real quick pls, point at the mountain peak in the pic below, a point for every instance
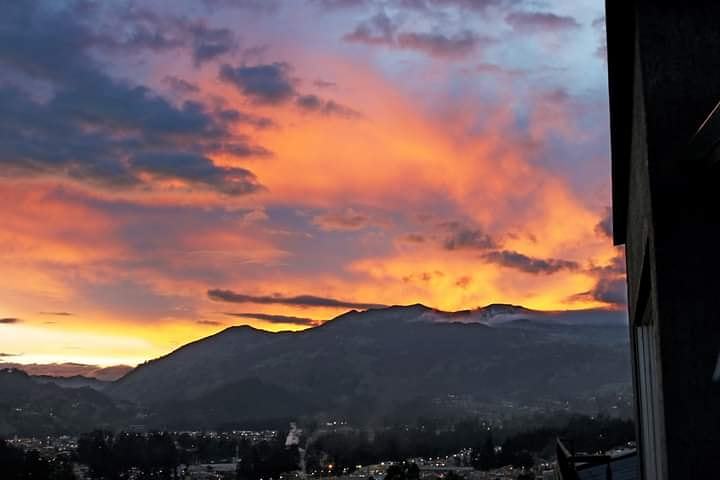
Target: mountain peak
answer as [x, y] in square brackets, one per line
[242, 329]
[413, 306]
[504, 308]
[394, 314]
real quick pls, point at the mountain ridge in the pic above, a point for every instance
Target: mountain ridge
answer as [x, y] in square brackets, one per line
[365, 363]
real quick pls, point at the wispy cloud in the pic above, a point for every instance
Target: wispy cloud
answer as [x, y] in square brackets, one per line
[381, 30]
[541, 22]
[297, 300]
[211, 323]
[285, 319]
[348, 219]
[443, 46]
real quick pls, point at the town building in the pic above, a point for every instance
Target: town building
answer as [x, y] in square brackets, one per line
[620, 464]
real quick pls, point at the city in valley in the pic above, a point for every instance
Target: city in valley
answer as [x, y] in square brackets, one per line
[469, 449]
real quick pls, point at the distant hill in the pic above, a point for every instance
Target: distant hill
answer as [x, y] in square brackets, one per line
[389, 361]
[77, 381]
[62, 370]
[31, 407]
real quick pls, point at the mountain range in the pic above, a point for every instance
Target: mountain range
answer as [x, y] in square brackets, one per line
[383, 363]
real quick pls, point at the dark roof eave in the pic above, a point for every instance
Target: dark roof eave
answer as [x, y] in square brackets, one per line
[620, 28]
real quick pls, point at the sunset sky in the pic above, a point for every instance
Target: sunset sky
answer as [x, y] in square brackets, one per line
[168, 169]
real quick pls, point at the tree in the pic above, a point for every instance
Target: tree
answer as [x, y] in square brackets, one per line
[394, 472]
[403, 471]
[412, 472]
[162, 455]
[11, 461]
[95, 451]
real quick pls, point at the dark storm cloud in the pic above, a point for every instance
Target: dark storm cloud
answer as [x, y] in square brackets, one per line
[9, 321]
[298, 300]
[313, 103]
[610, 284]
[608, 290]
[277, 318]
[231, 115]
[115, 105]
[270, 83]
[144, 29]
[463, 238]
[612, 291]
[196, 169]
[30, 41]
[605, 227]
[616, 267]
[540, 21]
[210, 43]
[51, 138]
[518, 261]
[239, 148]
[90, 124]
[180, 86]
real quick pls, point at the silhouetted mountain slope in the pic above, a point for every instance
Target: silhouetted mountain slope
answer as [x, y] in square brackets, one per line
[368, 363]
[232, 404]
